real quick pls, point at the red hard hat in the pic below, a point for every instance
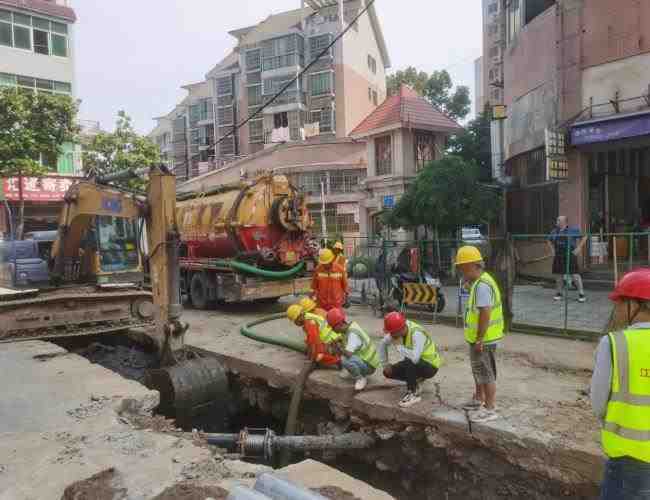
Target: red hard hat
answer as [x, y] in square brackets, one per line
[335, 317]
[394, 322]
[634, 285]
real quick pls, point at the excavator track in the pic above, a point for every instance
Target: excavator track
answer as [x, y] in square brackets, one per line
[74, 312]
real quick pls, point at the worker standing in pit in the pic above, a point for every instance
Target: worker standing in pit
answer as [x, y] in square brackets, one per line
[359, 357]
[421, 359]
[484, 328]
[620, 391]
[313, 325]
[330, 283]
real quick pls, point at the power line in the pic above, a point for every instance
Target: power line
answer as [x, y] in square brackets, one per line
[291, 82]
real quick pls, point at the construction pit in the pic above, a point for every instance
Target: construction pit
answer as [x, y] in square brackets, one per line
[545, 445]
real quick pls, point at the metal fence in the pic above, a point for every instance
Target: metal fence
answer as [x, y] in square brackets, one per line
[551, 284]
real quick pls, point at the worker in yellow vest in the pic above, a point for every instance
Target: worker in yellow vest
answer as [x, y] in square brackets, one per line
[484, 329]
[421, 359]
[620, 391]
[359, 357]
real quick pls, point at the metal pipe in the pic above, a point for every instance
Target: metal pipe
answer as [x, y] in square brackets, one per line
[123, 175]
[277, 487]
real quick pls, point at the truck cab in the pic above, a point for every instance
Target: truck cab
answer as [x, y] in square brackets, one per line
[24, 263]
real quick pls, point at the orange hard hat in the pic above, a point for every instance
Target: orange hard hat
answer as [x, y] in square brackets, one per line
[335, 317]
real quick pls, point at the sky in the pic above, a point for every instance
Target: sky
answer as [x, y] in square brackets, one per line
[135, 54]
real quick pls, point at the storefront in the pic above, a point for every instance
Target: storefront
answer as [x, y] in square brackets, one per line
[43, 199]
[617, 153]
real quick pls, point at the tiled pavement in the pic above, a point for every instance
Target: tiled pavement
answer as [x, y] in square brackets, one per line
[534, 305]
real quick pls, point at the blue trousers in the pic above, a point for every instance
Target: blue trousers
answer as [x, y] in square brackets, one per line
[626, 479]
[357, 367]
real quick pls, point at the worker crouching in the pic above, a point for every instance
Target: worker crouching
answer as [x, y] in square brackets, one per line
[305, 315]
[359, 357]
[421, 358]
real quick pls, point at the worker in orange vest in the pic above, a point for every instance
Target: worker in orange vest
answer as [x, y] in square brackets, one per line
[307, 316]
[330, 283]
[339, 257]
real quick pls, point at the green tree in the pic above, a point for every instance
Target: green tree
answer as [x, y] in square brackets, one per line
[123, 149]
[474, 145]
[446, 195]
[33, 129]
[436, 87]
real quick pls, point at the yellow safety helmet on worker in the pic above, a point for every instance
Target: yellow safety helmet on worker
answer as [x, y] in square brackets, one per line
[295, 312]
[468, 255]
[326, 256]
[307, 304]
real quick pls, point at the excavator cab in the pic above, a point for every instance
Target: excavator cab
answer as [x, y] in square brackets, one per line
[99, 237]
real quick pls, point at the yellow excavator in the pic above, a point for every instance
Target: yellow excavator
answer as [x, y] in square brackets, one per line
[96, 281]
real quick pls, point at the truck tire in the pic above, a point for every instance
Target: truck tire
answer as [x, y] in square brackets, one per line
[199, 291]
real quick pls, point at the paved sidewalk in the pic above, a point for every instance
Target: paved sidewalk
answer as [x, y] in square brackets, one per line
[533, 305]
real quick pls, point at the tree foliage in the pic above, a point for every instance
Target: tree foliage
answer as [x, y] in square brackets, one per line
[436, 87]
[446, 195]
[123, 149]
[33, 126]
[474, 145]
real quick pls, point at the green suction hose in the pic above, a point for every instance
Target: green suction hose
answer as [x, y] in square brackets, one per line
[294, 345]
[274, 275]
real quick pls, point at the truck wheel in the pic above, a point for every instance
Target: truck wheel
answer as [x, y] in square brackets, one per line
[199, 291]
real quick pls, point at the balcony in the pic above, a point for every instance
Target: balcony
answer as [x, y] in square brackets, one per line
[287, 101]
[284, 61]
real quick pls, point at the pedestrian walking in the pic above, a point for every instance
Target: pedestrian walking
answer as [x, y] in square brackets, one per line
[421, 358]
[484, 329]
[313, 325]
[564, 243]
[329, 283]
[620, 391]
[359, 357]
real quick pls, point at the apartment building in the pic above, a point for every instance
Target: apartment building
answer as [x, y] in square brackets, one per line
[576, 76]
[343, 85]
[479, 86]
[36, 53]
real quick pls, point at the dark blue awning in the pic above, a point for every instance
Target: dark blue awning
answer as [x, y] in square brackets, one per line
[611, 128]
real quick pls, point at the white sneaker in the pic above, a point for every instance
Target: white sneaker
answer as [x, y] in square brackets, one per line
[409, 399]
[484, 416]
[344, 374]
[473, 405]
[360, 384]
[558, 297]
[582, 299]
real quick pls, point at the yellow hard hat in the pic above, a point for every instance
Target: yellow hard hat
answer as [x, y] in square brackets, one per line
[468, 255]
[307, 304]
[326, 256]
[294, 312]
[338, 246]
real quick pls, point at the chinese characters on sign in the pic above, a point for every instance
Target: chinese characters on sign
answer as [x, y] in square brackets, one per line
[614, 129]
[37, 188]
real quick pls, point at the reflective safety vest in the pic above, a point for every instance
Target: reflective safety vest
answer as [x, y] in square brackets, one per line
[495, 326]
[368, 351]
[430, 353]
[626, 430]
[327, 335]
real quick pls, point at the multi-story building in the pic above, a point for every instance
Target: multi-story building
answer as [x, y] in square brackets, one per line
[577, 134]
[343, 84]
[479, 86]
[36, 53]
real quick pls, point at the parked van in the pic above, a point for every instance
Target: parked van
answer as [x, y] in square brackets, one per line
[25, 263]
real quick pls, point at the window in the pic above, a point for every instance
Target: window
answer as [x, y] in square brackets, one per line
[253, 60]
[273, 85]
[370, 94]
[256, 131]
[33, 33]
[494, 51]
[41, 42]
[375, 100]
[325, 118]
[280, 120]
[26, 82]
[318, 43]
[536, 7]
[284, 51]
[493, 8]
[320, 83]
[372, 64]
[315, 116]
[384, 155]
[224, 86]
[225, 116]
[118, 248]
[22, 37]
[425, 148]
[255, 95]
[514, 19]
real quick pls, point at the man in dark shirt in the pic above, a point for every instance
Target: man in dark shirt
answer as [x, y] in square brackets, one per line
[560, 238]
